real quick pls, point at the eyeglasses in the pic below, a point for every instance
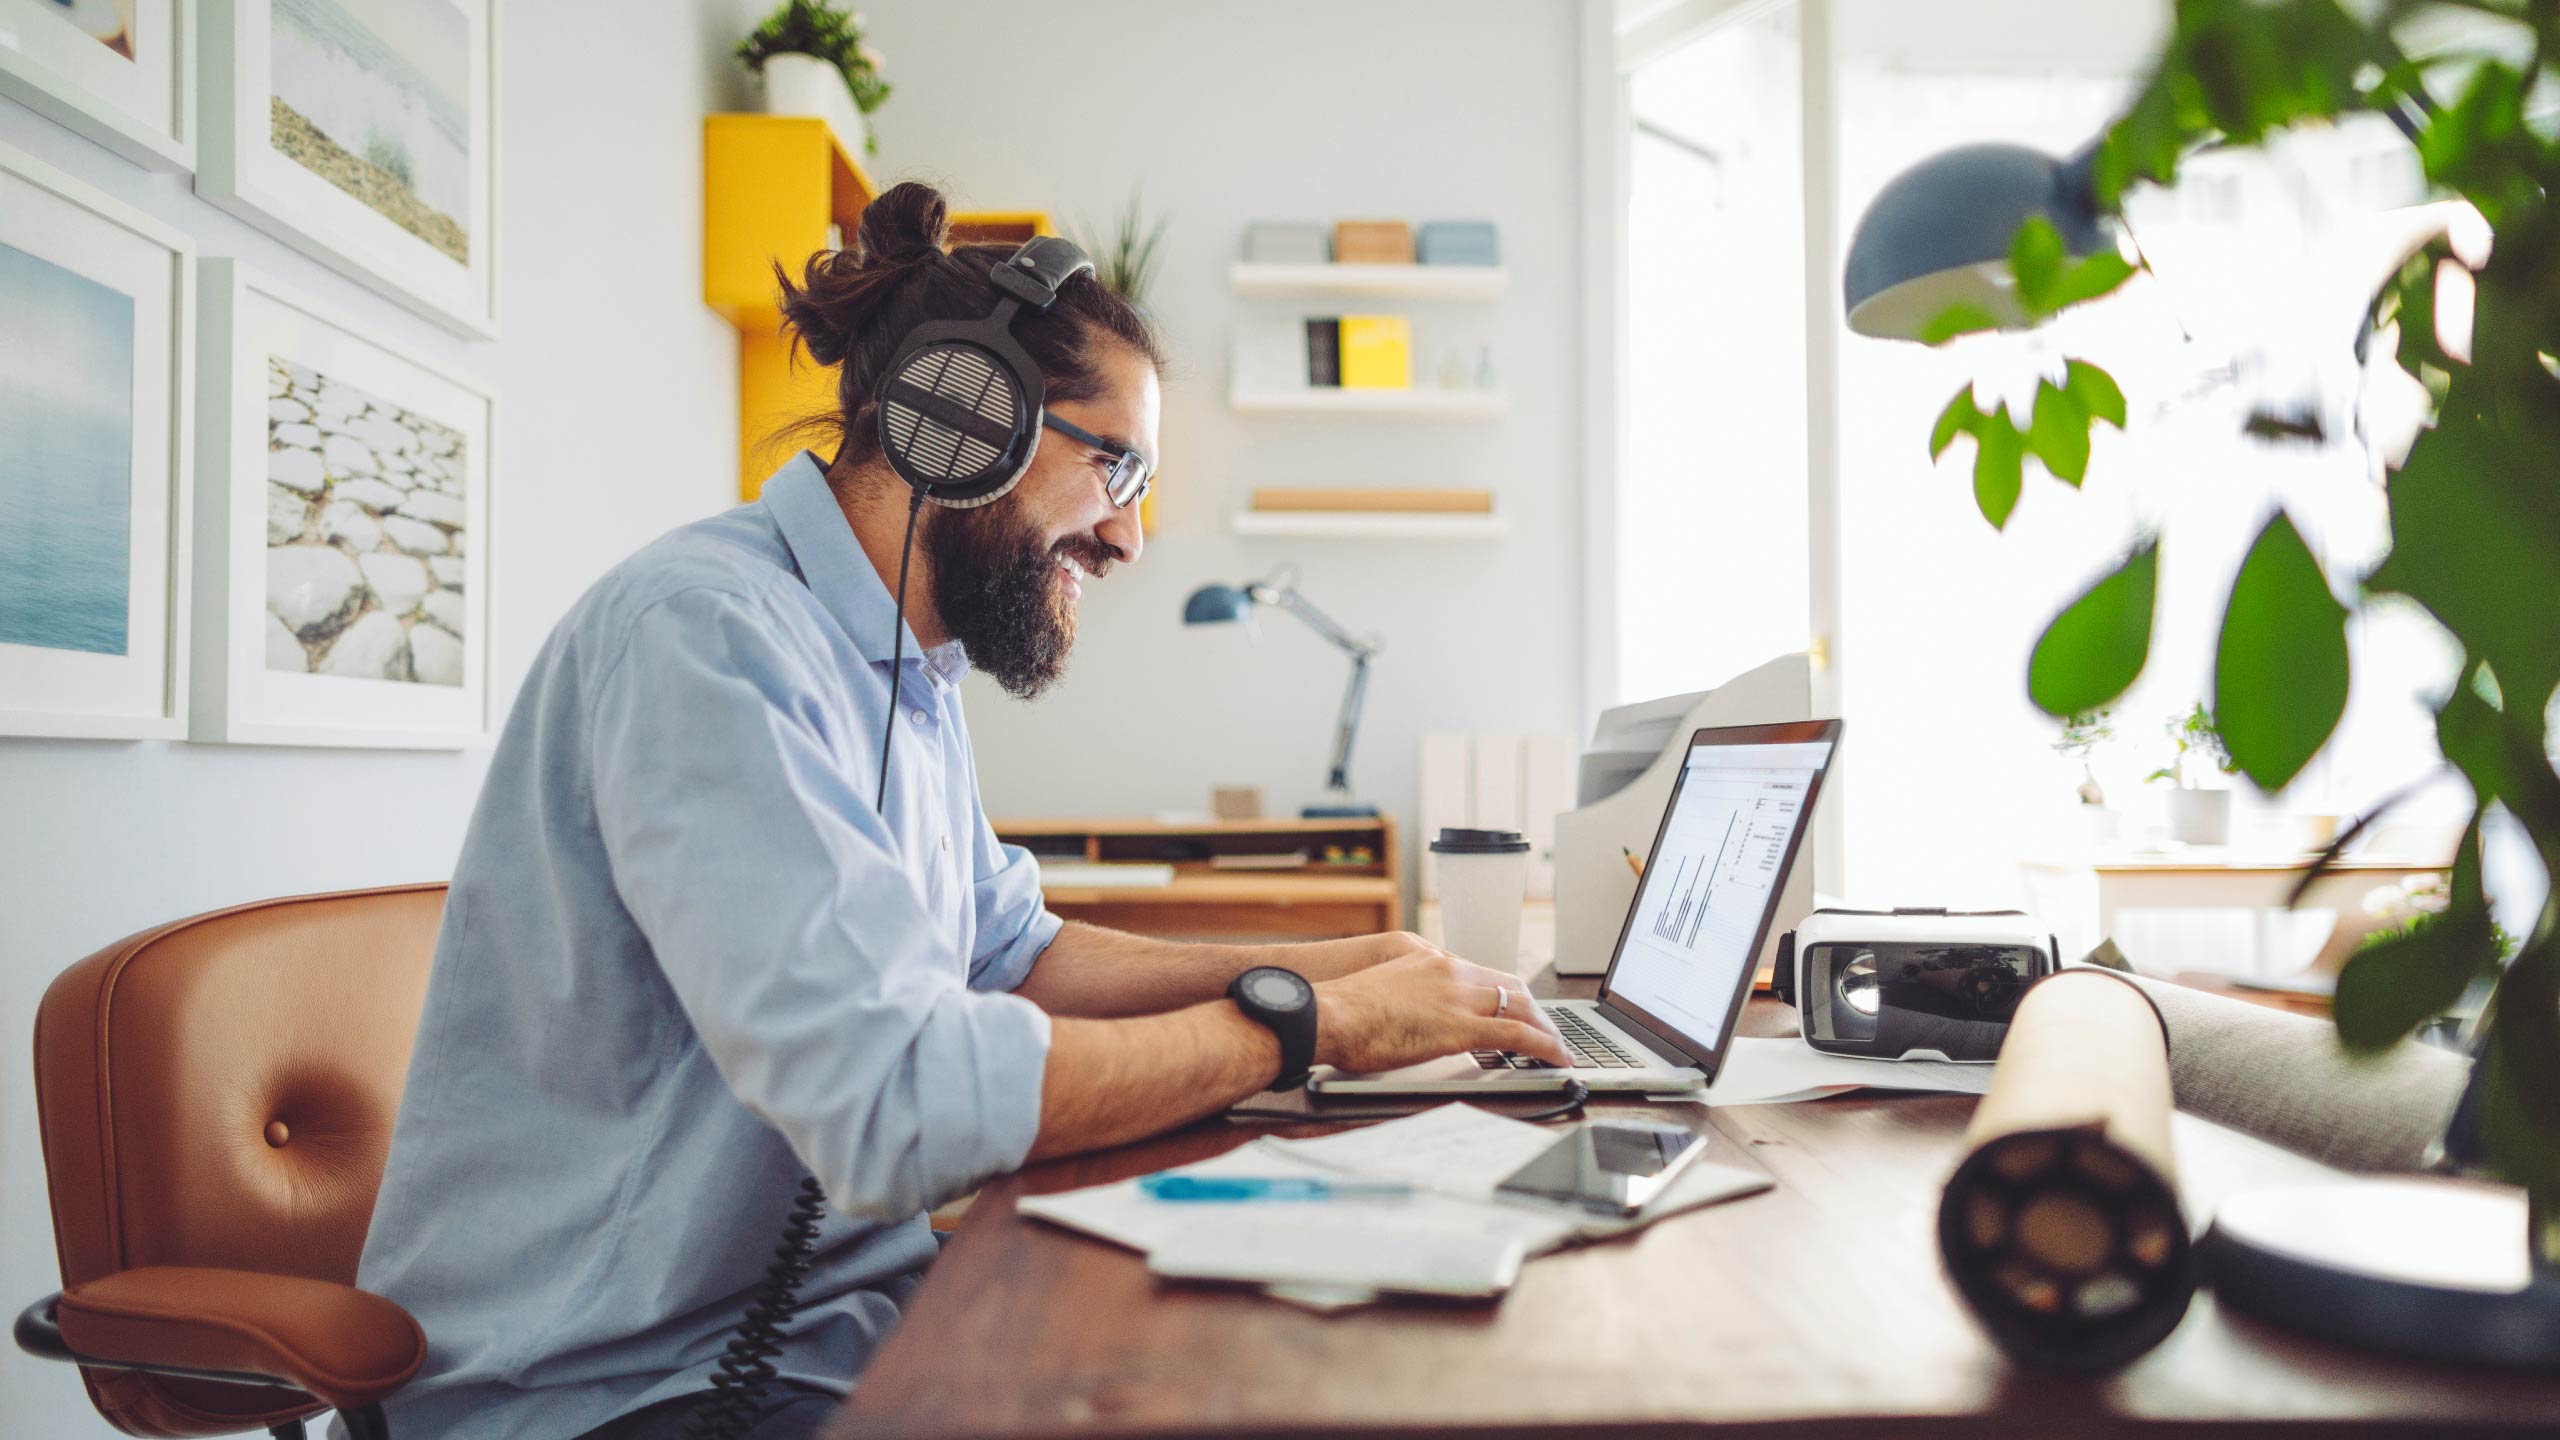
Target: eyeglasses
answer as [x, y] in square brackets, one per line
[1131, 476]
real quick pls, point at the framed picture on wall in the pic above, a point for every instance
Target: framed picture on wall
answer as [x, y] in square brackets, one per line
[97, 399]
[342, 562]
[122, 72]
[363, 133]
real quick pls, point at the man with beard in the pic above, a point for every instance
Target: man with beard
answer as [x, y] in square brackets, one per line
[686, 958]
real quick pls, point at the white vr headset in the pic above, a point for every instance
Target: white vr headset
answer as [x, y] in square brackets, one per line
[1911, 984]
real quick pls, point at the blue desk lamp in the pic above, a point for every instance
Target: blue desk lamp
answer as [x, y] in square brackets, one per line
[1217, 604]
[1939, 235]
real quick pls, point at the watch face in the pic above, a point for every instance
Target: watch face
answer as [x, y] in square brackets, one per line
[1276, 990]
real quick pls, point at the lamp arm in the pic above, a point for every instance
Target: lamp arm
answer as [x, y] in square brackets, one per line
[1288, 598]
[1347, 726]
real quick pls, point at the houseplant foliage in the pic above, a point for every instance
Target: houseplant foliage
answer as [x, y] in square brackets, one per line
[1125, 263]
[2474, 507]
[825, 32]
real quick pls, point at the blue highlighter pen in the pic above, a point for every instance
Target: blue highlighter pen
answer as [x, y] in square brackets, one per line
[1230, 1188]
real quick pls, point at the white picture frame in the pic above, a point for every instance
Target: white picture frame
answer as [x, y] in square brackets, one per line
[314, 466]
[79, 244]
[141, 105]
[242, 167]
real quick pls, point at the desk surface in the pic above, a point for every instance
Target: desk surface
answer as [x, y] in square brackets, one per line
[1816, 1309]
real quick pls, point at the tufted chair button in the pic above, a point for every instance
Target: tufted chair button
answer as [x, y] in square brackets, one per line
[277, 1134]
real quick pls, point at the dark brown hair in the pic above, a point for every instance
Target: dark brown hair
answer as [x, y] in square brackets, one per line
[852, 307]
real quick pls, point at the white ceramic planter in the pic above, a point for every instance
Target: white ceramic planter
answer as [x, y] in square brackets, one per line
[2200, 817]
[807, 85]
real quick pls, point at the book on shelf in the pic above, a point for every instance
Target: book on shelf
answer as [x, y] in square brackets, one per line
[1324, 353]
[1376, 352]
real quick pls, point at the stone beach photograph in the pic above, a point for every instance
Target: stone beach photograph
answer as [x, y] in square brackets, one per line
[366, 534]
[373, 97]
[66, 457]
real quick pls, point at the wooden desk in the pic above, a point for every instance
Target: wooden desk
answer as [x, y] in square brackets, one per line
[1202, 902]
[1817, 1309]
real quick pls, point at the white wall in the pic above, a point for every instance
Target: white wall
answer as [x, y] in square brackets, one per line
[1230, 111]
[617, 421]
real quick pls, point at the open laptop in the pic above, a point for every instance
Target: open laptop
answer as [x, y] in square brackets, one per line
[1682, 969]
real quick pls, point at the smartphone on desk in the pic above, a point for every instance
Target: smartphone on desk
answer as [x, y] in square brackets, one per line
[1610, 1167]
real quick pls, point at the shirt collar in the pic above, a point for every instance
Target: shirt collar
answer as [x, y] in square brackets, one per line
[804, 509]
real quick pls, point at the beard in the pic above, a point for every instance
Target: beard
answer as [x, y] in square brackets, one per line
[996, 584]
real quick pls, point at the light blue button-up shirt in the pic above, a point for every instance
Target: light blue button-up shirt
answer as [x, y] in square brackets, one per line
[684, 961]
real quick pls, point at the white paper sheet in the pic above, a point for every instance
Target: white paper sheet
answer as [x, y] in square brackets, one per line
[1760, 1071]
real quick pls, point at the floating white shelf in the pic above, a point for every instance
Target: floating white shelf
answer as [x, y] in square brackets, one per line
[1419, 282]
[1436, 404]
[1370, 525]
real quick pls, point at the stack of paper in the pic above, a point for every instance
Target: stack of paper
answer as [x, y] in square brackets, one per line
[1452, 1236]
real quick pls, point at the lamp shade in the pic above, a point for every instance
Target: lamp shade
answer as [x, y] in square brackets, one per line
[1216, 604]
[1939, 235]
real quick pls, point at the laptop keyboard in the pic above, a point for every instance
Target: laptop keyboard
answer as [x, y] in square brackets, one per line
[1591, 1049]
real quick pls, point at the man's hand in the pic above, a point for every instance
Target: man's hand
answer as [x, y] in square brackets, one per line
[1425, 1003]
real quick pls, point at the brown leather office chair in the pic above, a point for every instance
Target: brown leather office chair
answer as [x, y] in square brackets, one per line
[216, 1098]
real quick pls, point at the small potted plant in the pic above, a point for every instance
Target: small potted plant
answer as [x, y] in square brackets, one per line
[813, 61]
[2197, 816]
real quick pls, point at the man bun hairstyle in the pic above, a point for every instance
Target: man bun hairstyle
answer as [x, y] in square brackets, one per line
[854, 306]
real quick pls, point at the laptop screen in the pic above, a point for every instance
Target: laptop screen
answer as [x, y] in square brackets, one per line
[1728, 838]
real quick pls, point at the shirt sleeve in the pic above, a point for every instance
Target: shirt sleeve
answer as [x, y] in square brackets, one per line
[743, 841]
[1014, 923]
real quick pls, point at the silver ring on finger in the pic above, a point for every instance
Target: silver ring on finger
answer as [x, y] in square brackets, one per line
[1501, 1003]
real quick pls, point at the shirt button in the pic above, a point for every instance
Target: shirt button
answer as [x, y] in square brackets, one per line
[946, 844]
[916, 715]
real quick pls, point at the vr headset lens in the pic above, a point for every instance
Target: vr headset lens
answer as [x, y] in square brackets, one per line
[1888, 999]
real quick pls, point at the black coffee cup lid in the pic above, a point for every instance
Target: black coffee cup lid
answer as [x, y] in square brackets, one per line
[1479, 842]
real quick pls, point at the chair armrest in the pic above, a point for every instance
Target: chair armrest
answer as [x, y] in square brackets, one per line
[345, 1347]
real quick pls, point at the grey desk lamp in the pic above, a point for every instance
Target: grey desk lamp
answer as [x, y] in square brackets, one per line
[1215, 604]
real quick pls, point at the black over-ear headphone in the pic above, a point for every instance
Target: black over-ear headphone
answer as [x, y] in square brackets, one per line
[959, 404]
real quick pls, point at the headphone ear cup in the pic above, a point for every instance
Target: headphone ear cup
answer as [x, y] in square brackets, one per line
[955, 423]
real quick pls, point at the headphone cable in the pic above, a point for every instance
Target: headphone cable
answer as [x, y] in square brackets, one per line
[746, 1364]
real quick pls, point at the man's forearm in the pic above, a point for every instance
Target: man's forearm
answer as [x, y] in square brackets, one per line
[1108, 1082]
[1095, 972]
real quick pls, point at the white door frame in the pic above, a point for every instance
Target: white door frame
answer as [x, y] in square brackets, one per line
[1617, 37]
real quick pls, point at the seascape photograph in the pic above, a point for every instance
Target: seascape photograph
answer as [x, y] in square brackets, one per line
[366, 534]
[373, 96]
[66, 470]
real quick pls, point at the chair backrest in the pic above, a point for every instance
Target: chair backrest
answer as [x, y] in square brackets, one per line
[220, 1091]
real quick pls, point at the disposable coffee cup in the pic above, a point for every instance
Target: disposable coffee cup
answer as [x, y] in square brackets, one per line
[1484, 877]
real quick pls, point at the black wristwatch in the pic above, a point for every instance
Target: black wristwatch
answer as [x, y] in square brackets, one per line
[1282, 1002]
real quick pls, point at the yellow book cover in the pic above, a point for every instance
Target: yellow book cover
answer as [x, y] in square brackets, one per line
[1377, 352]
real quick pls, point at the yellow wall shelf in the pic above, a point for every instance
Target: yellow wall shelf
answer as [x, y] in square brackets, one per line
[771, 186]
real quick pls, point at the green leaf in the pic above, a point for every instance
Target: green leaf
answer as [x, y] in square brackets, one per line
[2390, 986]
[2096, 391]
[2035, 258]
[2058, 433]
[1959, 418]
[1962, 318]
[2095, 649]
[2523, 1056]
[2088, 279]
[1999, 455]
[2280, 677]
[2475, 528]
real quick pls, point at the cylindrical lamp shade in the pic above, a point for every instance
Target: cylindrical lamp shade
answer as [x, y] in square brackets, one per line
[1939, 235]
